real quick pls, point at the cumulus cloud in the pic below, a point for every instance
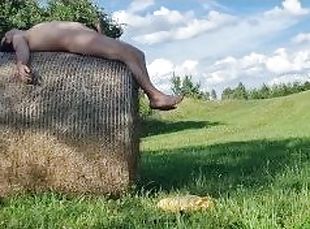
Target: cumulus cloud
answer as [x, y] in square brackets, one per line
[289, 7]
[159, 20]
[280, 66]
[164, 25]
[191, 28]
[224, 36]
[161, 71]
[301, 38]
[255, 68]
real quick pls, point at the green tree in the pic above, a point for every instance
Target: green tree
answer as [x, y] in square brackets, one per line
[240, 92]
[20, 14]
[176, 84]
[227, 93]
[84, 11]
[254, 94]
[187, 87]
[264, 92]
[307, 85]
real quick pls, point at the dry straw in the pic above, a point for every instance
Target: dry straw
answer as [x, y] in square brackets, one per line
[73, 131]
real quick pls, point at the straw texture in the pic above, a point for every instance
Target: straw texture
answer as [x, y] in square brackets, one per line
[72, 131]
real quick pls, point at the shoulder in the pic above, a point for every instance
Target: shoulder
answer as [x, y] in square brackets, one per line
[20, 38]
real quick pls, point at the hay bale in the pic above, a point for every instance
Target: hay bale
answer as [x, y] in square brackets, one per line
[71, 132]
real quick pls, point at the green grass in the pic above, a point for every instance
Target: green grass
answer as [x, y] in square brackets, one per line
[252, 157]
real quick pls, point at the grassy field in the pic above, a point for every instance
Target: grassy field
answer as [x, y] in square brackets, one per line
[252, 157]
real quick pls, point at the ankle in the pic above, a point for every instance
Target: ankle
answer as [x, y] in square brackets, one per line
[154, 95]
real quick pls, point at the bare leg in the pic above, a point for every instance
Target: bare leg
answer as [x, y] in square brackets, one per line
[106, 47]
[158, 100]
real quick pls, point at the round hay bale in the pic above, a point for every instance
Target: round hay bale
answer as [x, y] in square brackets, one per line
[72, 131]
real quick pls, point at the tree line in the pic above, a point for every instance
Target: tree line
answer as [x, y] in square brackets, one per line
[23, 14]
[265, 91]
[185, 86]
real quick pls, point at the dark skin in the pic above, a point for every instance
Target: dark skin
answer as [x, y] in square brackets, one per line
[18, 43]
[76, 38]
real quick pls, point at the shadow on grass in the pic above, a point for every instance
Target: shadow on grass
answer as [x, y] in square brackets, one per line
[222, 168]
[152, 127]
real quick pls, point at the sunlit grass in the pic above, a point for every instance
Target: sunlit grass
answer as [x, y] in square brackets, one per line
[252, 157]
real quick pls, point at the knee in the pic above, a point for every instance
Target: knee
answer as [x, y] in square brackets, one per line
[133, 54]
[139, 55]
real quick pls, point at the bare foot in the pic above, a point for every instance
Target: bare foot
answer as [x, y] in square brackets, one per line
[165, 102]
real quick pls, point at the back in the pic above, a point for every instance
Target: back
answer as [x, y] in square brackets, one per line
[55, 35]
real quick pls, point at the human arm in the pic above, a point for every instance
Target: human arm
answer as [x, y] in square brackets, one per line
[22, 57]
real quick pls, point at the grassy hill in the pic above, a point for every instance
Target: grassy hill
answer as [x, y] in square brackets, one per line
[199, 122]
[252, 157]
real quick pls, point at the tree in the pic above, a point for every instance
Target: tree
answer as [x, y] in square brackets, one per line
[23, 14]
[227, 93]
[213, 95]
[254, 94]
[264, 92]
[307, 85]
[187, 88]
[176, 85]
[83, 11]
[20, 14]
[240, 92]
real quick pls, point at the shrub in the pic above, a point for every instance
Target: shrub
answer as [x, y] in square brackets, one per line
[23, 14]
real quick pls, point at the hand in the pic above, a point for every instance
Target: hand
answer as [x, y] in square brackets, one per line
[23, 73]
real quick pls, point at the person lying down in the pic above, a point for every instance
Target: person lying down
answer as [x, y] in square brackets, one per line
[77, 38]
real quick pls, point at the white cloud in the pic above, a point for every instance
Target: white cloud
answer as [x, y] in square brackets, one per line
[159, 20]
[289, 8]
[294, 7]
[190, 29]
[161, 71]
[188, 67]
[171, 16]
[161, 68]
[289, 78]
[167, 25]
[301, 38]
[279, 63]
[140, 5]
[253, 69]
[220, 49]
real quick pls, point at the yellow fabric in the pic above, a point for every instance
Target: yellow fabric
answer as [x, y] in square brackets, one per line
[185, 203]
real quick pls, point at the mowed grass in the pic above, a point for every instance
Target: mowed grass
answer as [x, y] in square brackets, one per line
[251, 157]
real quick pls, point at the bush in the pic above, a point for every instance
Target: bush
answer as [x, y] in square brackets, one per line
[19, 14]
[23, 14]
[144, 108]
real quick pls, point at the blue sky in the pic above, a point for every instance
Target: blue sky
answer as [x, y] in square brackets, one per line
[219, 42]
